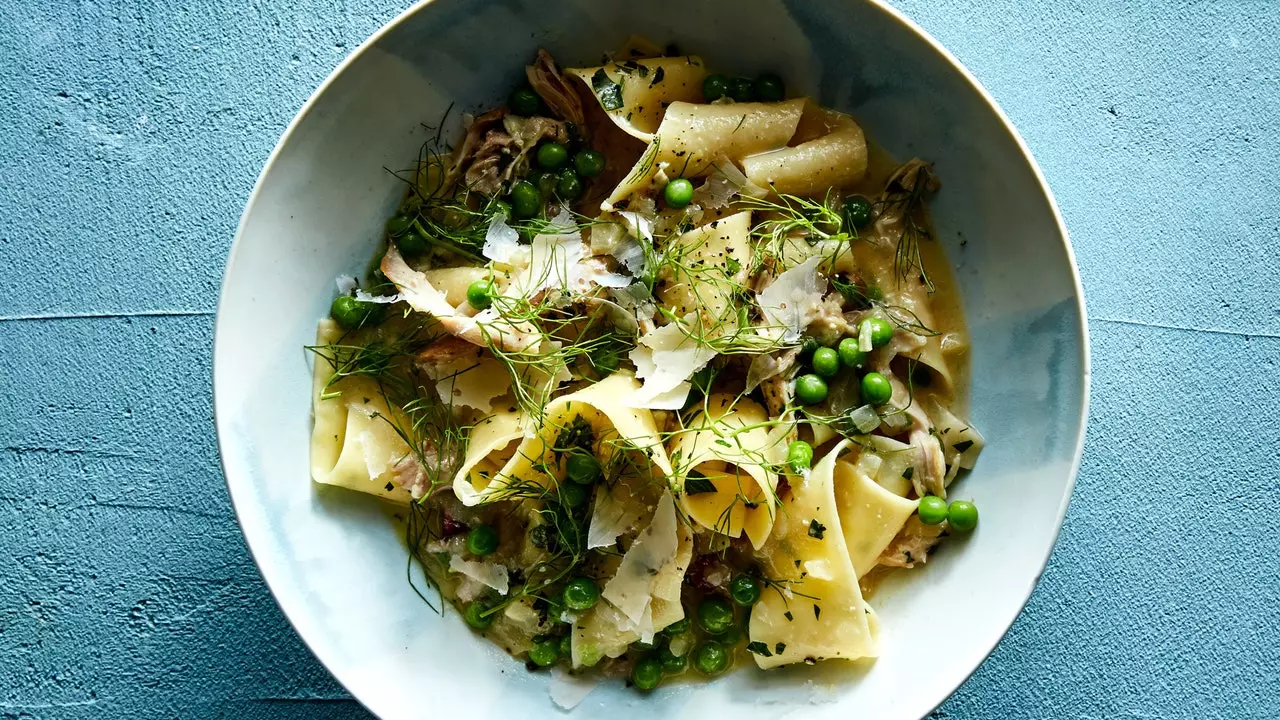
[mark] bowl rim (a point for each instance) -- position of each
(893, 14)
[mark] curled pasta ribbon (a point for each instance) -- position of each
(728, 486)
(529, 457)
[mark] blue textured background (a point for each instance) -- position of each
(133, 131)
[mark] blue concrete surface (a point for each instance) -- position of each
(133, 132)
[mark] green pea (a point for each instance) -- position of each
(963, 515)
(715, 615)
(397, 224)
(799, 456)
(543, 536)
(582, 468)
(552, 156)
(566, 646)
(646, 673)
(545, 653)
(581, 594)
(351, 313)
(605, 360)
(482, 540)
(770, 88)
(808, 346)
(569, 186)
(526, 201)
(857, 211)
(545, 182)
(672, 664)
(572, 495)
(480, 294)
(826, 362)
(711, 658)
(811, 389)
(932, 510)
(876, 389)
(474, 615)
(745, 590)
(524, 101)
(742, 90)
(881, 331)
(678, 193)
(850, 355)
(412, 243)
(715, 87)
(588, 163)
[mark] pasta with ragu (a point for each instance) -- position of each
(667, 368)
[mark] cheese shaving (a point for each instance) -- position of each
(501, 241)
(489, 574)
(614, 513)
(792, 301)
(631, 588)
(568, 690)
(665, 359)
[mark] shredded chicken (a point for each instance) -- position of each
(442, 352)
(901, 184)
(545, 77)
(476, 134)
(912, 544)
(765, 367)
(831, 324)
(496, 148)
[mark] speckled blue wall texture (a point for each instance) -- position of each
(133, 132)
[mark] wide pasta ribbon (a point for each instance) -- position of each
(535, 461)
(728, 484)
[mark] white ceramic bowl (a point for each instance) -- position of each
(333, 560)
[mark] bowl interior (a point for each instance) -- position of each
(335, 563)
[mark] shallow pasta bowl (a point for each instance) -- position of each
(335, 562)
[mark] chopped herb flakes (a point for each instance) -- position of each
(817, 612)
(788, 616)
(963, 445)
(609, 92)
(777, 649)
(909, 472)
(696, 484)
(816, 529)
(759, 648)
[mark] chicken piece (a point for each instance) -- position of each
(476, 135)
(559, 95)
(911, 545)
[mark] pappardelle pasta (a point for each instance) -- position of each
(665, 367)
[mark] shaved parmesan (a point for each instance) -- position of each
(665, 358)
(614, 513)
(347, 284)
(489, 574)
(792, 301)
(639, 226)
(501, 241)
(569, 690)
(631, 588)
(632, 256)
(723, 184)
